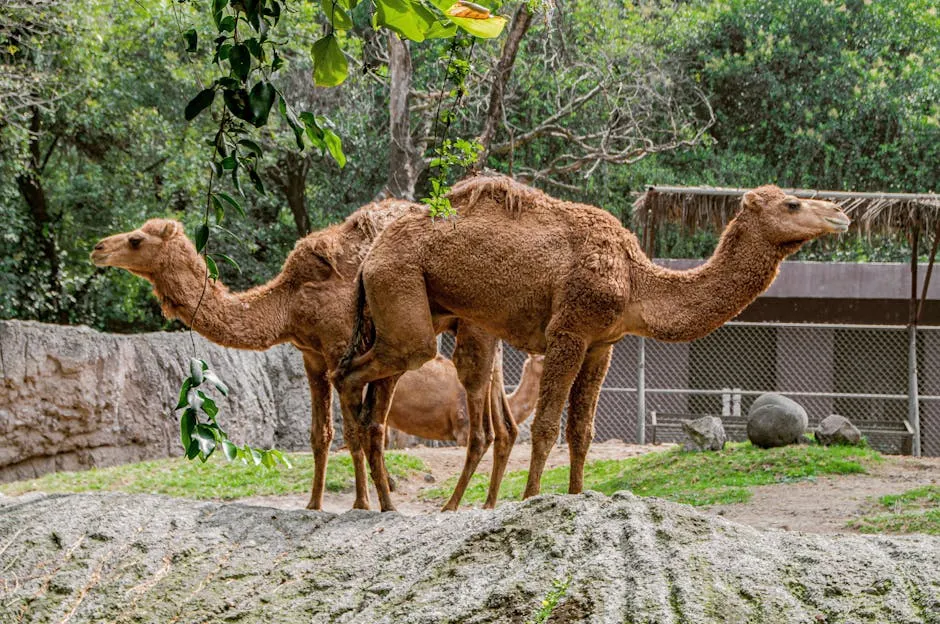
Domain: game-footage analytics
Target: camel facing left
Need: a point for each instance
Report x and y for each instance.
(309, 304)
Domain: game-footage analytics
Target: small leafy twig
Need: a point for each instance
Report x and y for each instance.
(200, 433)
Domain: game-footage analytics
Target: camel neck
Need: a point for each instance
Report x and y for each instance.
(254, 319)
(685, 305)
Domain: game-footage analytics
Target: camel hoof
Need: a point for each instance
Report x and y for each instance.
(361, 505)
(389, 508)
(448, 507)
(313, 506)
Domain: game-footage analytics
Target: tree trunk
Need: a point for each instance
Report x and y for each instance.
(403, 163)
(517, 30)
(296, 191)
(43, 234)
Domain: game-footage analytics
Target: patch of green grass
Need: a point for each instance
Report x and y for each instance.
(215, 479)
(914, 511)
(686, 477)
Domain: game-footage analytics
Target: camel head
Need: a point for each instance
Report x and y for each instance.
(142, 251)
(788, 221)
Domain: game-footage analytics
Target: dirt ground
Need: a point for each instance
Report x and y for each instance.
(824, 505)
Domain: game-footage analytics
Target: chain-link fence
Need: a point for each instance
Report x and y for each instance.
(858, 371)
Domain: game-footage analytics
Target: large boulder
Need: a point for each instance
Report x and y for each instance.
(774, 420)
(835, 429)
(73, 398)
(705, 434)
(118, 558)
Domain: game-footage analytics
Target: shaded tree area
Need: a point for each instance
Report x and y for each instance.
(589, 100)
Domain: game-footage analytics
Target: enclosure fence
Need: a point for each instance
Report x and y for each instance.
(858, 371)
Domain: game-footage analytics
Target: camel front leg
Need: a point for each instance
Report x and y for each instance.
(564, 354)
(579, 430)
(473, 358)
(505, 429)
(321, 424)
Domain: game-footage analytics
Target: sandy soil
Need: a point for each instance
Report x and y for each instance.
(825, 505)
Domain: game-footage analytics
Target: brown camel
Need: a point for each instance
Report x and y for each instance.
(553, 277)
(309, 304)
(442, 414)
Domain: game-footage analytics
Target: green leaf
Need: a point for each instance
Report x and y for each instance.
(441, 29)
(227, 24)
(208, 405)
(255, 48)
(196, 366)
(230, 450)
(489, 28)
(202, 237)
(229, 162)
(409, 19)
(256, 180)
(215, 381)
(229, 260)
(194, 400)
(251, 146)
(219, 209)
(337, 15)
(261, 99)
(254, 454)
(193, 450)
(187, 426)
(268, 460)
(211, 266)
(184, 392)
(192, 40)
(240, 60)
(335, 145)
(237, 102)
(281, 457)
(329, 64)
(199, 103)
(218, 6)
(234, 204)
(204, 435)
(288, 113)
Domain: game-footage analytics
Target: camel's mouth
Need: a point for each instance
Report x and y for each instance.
(99, 258)
(839, 224)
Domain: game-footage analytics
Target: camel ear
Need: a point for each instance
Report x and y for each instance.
(751, 200)
(172, 228)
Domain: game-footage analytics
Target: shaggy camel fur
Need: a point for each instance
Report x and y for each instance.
(553, 277)
(442, 414)
(309, 304)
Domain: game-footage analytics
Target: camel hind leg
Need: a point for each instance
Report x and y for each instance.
(505, 429)
(564, 354)
(579, 429)
(473, 358)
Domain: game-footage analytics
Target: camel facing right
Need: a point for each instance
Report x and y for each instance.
(553, 277)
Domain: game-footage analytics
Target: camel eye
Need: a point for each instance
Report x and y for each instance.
(135, 241)
(793, 205)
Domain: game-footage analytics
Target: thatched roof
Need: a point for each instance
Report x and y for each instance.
(707, 207)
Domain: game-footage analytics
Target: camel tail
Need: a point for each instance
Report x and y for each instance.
(363, 335)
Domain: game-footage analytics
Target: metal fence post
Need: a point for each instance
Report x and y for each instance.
(913, 405)
(641, 392)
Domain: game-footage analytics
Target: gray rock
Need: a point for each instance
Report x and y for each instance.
(835, 429)
(705, 434)
(111, 557)
(73, 398)
(774, 420)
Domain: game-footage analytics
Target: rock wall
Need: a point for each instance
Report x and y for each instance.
(116, 558)
(73, 398)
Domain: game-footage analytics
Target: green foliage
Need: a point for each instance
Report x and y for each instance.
(914, 511)
(551, 600)
(687, 477)
(214, 479)
(200, 432)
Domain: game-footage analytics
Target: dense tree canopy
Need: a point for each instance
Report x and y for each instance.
(604, 97)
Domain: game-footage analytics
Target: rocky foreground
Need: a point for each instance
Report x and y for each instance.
(120, 558)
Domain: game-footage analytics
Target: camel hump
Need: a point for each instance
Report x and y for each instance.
(373, 218)
(515, 197)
